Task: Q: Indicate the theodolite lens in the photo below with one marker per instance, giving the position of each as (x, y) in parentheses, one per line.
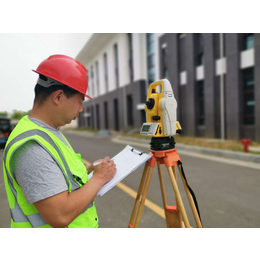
(150, 103)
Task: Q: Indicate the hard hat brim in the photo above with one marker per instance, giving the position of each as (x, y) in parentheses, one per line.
(63, 83)
(88, 96)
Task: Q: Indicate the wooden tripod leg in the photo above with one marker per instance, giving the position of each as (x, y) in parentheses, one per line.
(171, 216)
(192, 204)
(178, 197)
(178, 212)
(162, 184)
(146, 186)
(138, 196)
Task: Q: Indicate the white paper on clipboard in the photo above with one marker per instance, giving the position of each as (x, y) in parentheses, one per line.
(128, 160)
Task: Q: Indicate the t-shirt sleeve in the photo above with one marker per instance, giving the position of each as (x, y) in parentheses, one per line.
(37, 173)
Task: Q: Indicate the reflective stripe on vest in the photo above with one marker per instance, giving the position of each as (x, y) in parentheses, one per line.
(17, 214)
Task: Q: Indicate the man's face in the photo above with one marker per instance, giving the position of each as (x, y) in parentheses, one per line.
(71, 107)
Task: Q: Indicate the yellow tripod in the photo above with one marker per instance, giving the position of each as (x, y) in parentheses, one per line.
(176, 216)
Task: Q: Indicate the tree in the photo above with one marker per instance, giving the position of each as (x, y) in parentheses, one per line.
(4, 113)
(17, 115)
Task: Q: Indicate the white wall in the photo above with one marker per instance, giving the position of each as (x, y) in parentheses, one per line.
(139, 56)
(247, 58)
(73, 124)
(124, 77)
(122, 45)
(139, 62)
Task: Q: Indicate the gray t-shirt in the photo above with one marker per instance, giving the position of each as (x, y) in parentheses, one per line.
(36, 172)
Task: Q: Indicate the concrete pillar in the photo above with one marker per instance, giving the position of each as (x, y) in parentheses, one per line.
(209, 74)
(257, 86)
(232, 87)
(189, 89)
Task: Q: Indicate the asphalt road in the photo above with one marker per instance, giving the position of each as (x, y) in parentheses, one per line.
(227, 194)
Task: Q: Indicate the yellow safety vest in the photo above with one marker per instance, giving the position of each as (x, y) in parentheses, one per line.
(24, 215)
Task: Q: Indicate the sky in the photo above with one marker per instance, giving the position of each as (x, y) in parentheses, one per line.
(21, 49)
(22, 52)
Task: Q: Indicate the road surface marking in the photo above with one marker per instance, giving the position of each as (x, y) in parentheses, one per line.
(152, 206)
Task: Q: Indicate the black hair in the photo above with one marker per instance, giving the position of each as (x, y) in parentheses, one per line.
(42, 93)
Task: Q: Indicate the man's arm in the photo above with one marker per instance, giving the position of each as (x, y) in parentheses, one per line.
(61, 209)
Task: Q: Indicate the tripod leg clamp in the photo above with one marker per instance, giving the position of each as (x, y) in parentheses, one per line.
(171, 208)
(152, 161)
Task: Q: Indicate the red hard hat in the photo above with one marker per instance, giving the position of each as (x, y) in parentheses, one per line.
(65, 70)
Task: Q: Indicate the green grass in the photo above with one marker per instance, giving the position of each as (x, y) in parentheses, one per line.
(230, 145)
(82, 129)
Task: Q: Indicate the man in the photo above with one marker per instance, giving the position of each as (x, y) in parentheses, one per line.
(46, 181)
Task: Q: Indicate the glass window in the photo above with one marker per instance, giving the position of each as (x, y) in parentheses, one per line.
(201, 42)
(165, 73)
(181, 51)
(88, 118)
(249, 41)
(150, 61)
(164, 63)
(199, 45)
(106, 71)
(89, 88)
(97, 116)
(248, 97)
(92, 80)
(150, 49)
(97, 77)
(130, 57)
(150, 57)
(116, 65)
(106, 114)
(164, 53)
(201, 107)
(200, 59)
(151, 73)
(150, 37)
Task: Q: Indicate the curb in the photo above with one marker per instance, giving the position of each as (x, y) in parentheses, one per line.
(208, 151)
(195, 149)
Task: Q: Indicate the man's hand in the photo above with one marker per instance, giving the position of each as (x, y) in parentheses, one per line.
(105, 171)
(90, 168)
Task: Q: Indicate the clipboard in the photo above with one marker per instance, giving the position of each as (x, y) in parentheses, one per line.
(127, 161)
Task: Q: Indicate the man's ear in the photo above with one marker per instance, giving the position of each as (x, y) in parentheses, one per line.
(57, 96)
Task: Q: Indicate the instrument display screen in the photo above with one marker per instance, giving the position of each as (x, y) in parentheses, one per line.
(149, 129)
(145, 128)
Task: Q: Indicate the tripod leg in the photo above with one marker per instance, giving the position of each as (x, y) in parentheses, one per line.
(192, 204)
(178, 212)
(137, 200)
(146, 186)
(178, 198)
(171, 212)
(162, 184)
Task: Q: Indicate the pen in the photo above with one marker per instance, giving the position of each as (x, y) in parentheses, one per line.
(97, 163)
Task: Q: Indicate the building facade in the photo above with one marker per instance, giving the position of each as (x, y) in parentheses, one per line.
(118, 66)
(214, 79)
